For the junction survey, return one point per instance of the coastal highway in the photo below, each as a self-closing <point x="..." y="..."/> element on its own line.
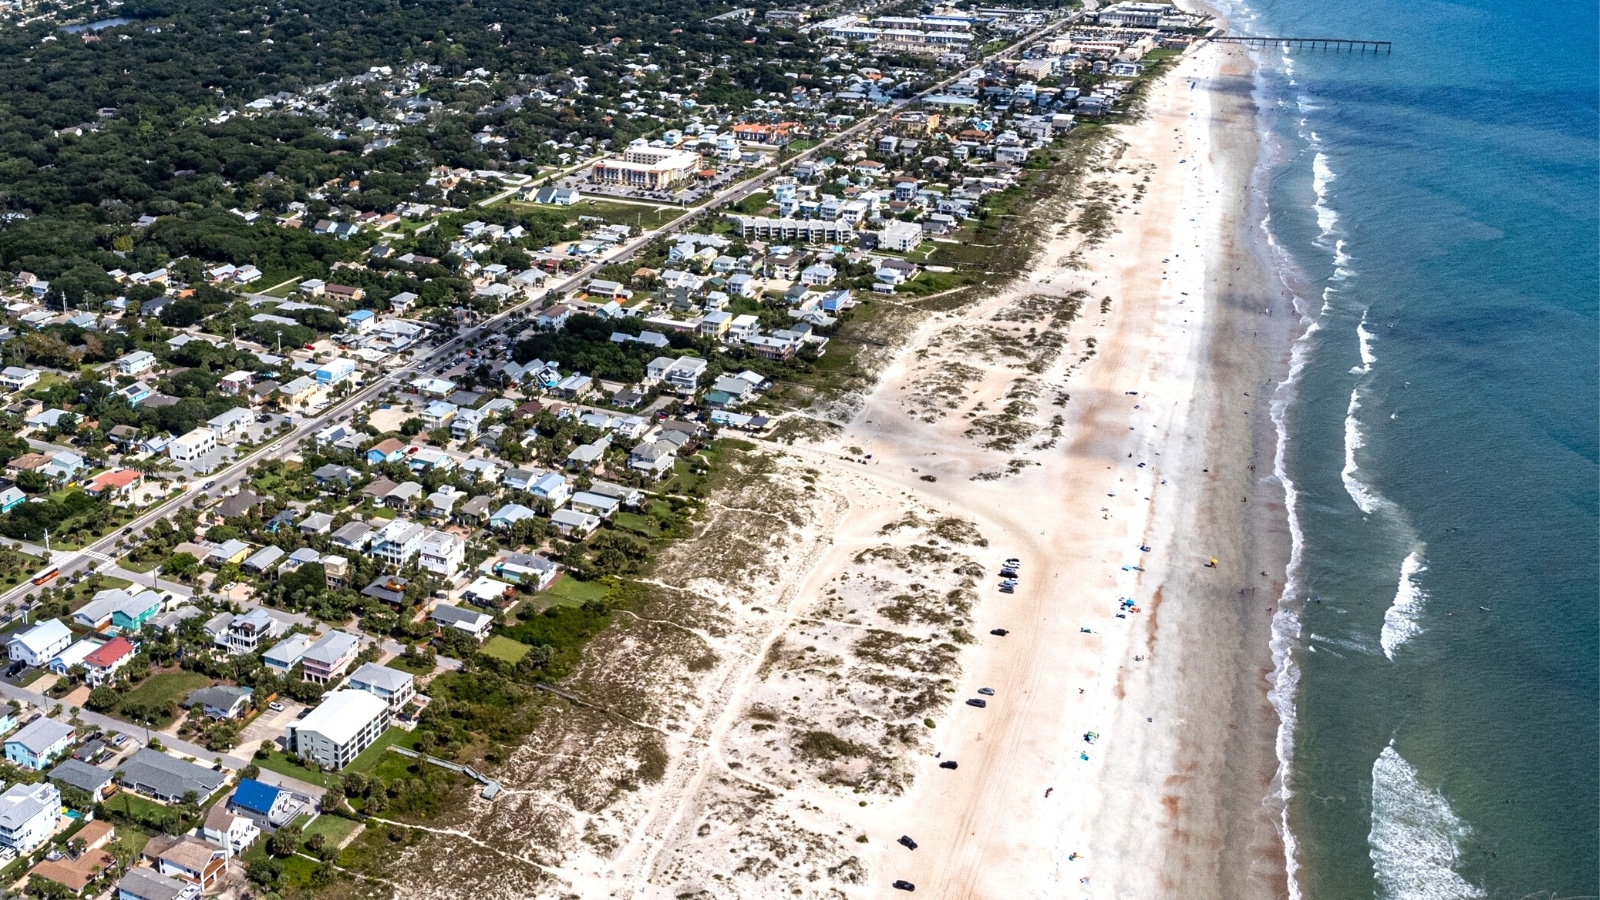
<point x="233" y="473"/>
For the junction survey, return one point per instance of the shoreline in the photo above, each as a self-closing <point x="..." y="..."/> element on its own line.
<point x="1218" y="826"/>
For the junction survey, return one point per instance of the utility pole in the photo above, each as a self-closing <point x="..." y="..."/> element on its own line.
<point x="280" y="343"/>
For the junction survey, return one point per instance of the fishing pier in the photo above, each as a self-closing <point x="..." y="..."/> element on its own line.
<point x="1337" y="45"/>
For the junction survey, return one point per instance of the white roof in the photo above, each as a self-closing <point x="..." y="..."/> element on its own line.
<point x="43" y="635"/>
<point x="342" y="715"/>
<point x="76" y="654"/>
<point x="381" y="677"/>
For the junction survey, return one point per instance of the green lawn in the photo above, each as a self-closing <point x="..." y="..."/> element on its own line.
<point x="164" y="691"/>
<point x="334" y="829"/>
<point x="575" y="592"/>
<point x="684" y="479"/>
<point x="505" y="649"/>
<point x="640" y="525"/>
<point x="407" y="663"/>
<point x="372" y="756"/>
<point x="278" y="761"/>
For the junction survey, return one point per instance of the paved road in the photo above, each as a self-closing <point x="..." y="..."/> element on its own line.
<point x="107" y="723"/>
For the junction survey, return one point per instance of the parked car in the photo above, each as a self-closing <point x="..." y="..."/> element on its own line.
<point x="999" y="632"/>
<point x="1008" y="588"/>
<point x="901" y="884"/>
<point x="978" y="703"/>
<point x="119" y="740"/>
<point x="948" y="764"/>
<point x="906" y="842"/>
<point x="275" y="706"/>
<point x="987" y="692"/>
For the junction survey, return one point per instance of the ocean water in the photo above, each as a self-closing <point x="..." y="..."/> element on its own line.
<point x="1435" y="212"/>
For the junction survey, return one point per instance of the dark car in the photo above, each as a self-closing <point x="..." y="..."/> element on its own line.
<point x="1008" y="588"/>
<point x="978" y="703"/>
<point x="948" y="764"/>
<point x="14" y="668"/>
<point x="999" y="632"/>
<point x="901" y="884"/>
<point x="906" y="842"/>
<point x="128" y="530"/>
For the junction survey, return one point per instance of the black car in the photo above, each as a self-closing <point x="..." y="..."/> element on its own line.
<point x="901" y="884"/>
<point x="948" y="764"/>
<point x="978" y="703"/>
<point x="999" y="632"/>
<point x="14" y="668"/>
<point x="906" y="842"/>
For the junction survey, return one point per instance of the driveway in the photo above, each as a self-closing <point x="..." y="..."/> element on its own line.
<point x="269" y="726"/>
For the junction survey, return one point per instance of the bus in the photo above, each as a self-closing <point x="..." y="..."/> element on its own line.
<point x="47" y="575"/>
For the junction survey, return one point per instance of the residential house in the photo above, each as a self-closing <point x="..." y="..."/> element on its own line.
<point x="352" y="536"/>
<point x="684" y="374"/>
<point x="574" y="524"/>
<point x="248" y="632"/>
<point x="190" y="859"/>
<point x="234" y="834"/>
<point x="264" y="804"/>
<point x="509" y="515"/>
<point x="38" y="644"/>
<point x="167" y="778"/>
<point x="344" y="724"/>
<point x="40" y="743"/>
<point x="230" y="425"/>
<point x="221" y="701"/>
<point x="14" y="378"/>
<point x="28" y="815"/>
<point x="148" y="884"/>
<point x="264" y="559"/>
<point x="525" y="568"/>
<point x="393" y="686"/>
<point x="386" y="450"/>
<point x="474" y="623"/>
<point x="552" y="488"/>
<point x="441" y="553"/>
<point x="92" y="780"/>
<point x="327" y="659"/>
<point x="192" y="446"/>
<point x="398" y="541"/>
<point x="101" y="666"/>
<point x="595" y="504"/>
<point x="654" y="458"/>
<point x="283" y="656"/>
<point x="136" y="362"/>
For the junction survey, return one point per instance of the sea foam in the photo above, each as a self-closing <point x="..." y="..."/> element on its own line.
<point x="1415" y="837"/>
<point x="1400" y="621"/>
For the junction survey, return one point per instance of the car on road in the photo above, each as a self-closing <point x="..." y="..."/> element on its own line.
<point x="906" y="842"/>
<point x="987" y="692"/>
<point x="999" y="632"/>
<point x="128" y="530"/>
<point x="275" y="706"/>
<point x="978" y="703"/>
<point x="900" y="884"/>
<point x="948" y="764"/>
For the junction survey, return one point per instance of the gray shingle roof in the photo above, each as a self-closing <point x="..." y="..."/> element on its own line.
<point x="153" y="772"/>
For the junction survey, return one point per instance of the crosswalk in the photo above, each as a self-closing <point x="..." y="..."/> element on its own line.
<point x="99" y="557"/>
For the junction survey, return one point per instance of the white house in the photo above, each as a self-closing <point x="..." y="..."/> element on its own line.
<point x="193" y="445"/>
<point x="232" y="833"/>
<point x="136" y="362"/>
<point x="392" y="686"/>
<point x="441" y="553"/>
<point x="230" y="425"/>
<point x="28" y="814"/>
<point x="39" y="644"/>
